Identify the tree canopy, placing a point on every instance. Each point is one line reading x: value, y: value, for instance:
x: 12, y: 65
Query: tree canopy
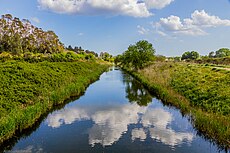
x: 223, y: 52
x: 193, y: 55
x: 138, y: 55
x: 20, y: 36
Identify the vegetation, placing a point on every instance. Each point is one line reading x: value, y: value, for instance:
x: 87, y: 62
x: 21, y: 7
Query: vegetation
x: 190, y: 55
x: 223, y: 52
x: 221, y: 56
x: 205, y: 87
x: 28, y: 90
x: 80, y: 50
x: 137, y: 56
x: 17, y: 37
x: 20, y: 40
x: 106, y: 57
x: 196, y: 89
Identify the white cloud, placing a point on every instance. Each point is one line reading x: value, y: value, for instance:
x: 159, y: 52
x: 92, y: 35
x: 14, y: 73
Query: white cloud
x: 133, y: 8
x: 196, y: 25
x: 157, y: 4
x: 35, y: 19
x: 141, y: 30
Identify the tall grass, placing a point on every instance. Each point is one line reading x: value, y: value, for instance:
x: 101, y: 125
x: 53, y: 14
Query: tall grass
x: 194, y: 89
x: 28, y: 90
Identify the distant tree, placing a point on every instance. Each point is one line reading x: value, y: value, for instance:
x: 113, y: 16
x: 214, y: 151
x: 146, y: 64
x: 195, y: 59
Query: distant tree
x: 223, y: 52
x: 76, y: 49
x: 211, y: 55
x: 190, y: 55
x: 70, y: 48
x: 194, y: 55
x: 177, y: 59
x: 185, y: 55
x: 138, y: 55
x: 106, y: 56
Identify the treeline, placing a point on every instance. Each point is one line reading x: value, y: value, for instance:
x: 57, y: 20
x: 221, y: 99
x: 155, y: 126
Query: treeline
x: 91, y: 54
x: 20, y: 40
x: 221, y: 56
x: 20, y: 36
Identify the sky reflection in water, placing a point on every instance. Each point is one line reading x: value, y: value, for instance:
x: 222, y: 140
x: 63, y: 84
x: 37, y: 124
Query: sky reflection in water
x: 113, y: 121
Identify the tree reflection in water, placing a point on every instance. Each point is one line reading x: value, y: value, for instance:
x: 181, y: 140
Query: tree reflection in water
x: 135, y: 92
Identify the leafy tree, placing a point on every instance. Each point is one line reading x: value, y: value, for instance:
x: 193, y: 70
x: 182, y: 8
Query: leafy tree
x: 20, y: 36
x: 211, y: 55
x: 139, y: 55
x: 106, y: 56
x: 70, y: 48
x: 190, y: 55
x: 223, y: 52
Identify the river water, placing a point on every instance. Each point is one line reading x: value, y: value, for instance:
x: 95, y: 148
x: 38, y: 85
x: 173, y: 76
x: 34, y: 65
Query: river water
x: 116, y: 115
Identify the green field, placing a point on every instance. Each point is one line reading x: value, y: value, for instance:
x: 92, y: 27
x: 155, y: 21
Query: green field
x: 28, y: 90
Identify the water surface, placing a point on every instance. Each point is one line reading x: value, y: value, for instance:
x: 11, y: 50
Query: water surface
x: 116, y: 114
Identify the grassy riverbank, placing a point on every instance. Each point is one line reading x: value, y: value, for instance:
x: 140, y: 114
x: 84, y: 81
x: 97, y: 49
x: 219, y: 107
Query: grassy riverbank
x: 28, y: 90
x: 200, y: 90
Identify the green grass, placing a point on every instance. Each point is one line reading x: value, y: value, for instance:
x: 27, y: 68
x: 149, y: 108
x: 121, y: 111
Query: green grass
x: 195, y: 89
x: 28, y: 90
x: 206, y: 88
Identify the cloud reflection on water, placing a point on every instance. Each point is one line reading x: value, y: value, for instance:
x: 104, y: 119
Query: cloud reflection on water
x: 110, y: 123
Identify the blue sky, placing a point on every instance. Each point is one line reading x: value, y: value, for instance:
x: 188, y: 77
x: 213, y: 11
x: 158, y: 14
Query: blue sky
x: 172, y: 26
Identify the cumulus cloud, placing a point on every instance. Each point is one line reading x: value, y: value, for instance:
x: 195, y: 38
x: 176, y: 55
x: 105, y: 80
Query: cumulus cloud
x: 135, y: 8
x: 196, y: 25
x: 157, y: 4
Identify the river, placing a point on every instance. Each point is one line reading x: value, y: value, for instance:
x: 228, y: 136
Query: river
x: 116, y: 114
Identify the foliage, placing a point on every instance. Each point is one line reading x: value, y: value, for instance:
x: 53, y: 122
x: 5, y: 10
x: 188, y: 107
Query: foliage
x: 223, y: 52
x: 106, y: 57
x: 190, y: 55
x: 28, y: 90
x: 79, y: 50
x: 223, y: 60
x: 137, y: 56
x: 20, y: 36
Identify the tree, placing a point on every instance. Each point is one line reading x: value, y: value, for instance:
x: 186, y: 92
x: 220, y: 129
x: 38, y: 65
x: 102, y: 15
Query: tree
x: 138, y: 55
x: 193, y: 55
x: 223, y: 52
x: 18, y: 37
x: 211, y: 55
